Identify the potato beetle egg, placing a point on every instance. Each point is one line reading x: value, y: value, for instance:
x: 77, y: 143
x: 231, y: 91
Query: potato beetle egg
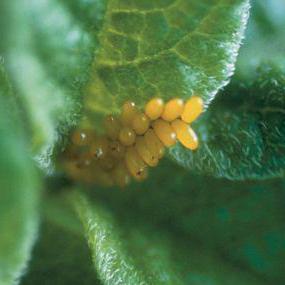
x: 192, y: 110
x: 173, y: 109
x: 127, y: 136
x: 143, y: 175
x: 121, y: 175
x: 107, y: 162
x: 154, y: 144
x: 185, y: 134
x: 116, y: 150
x: 100, y: 176
x: 112, y: 126
x: 99, y: 147
x: 165, y: 132
x: 84, y: 160
x: 154, y: 108
x: 148, y: 157
x: 135, y: 164
x: 81, y: 137
x: 140, y: 123
x: 71, y: 153
x: 128, y: 113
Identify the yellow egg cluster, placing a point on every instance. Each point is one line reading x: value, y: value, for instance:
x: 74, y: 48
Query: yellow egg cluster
x: 132, y: 142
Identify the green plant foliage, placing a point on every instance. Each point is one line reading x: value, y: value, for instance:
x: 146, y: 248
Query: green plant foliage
x: 212, y: 216
x: 135, y: 253
x: 235, y: 223
x: 60, y: 258
x: 243, y: 133
x: 165, y: 48
x: 142, y: 48
x: 19, y: 189
x: 48, y: 52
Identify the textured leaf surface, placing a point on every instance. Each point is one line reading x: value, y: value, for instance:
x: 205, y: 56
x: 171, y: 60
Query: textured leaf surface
x: 19, y: 189
x: 61, y: 258
x: 138, y: 49
x: 165, y: 48
x: 243, y: 133
x: 236, y: 225
x: 126, y: 251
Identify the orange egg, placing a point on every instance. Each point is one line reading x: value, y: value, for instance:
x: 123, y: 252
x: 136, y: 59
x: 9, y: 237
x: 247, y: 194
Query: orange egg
x: 145, y: 153
x: 173, y: 109
x: 129, y: 110
x: 140, y: 123
x: 121, y: 175
x: 116, y: 150
x: 99, y: 147
x: 192, y: 110
x: 112, y: 126
x: 185, y: 134
x: 135, y: 164
x: 154, y: 144
x: 165, y: 132
x: 81, y: 137
x: 154, y: 108
x: 127, y: 136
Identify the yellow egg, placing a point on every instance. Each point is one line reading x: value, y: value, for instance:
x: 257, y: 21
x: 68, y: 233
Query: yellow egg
x: 127, y: 136
x: 72, y: 170
x: 140, y: 123
x: 185, y: 134
x: 81, y: 137
x: 99, y: 147
x: 116, y: 150
x: 148, y: 157
x: 112, y: 126
x: 154, y: 144
x: 154, y: 108
x: 165, y: 132
x: 107, y: 162
x: 135, y: 164
x: 121, y: 175
x: 84, y: 159
x: 101, y: 177
x: 71, y: 153
x: 129, y: 110
x: 173, y: 109
x: 192, y: 110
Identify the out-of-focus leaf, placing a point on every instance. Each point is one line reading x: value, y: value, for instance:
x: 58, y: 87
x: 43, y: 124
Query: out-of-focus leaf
x: 138, y: 49
x: 126, y: 251
x: 243, y: 133
x: 19, y: 190
x: 48, y: 51
x: 265, y: 37
x: 60, y: 258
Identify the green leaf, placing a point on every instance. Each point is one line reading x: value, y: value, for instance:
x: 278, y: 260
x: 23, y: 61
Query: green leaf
x: 61, y: 258
x: 142, y: 48
x: 243, y: 133
x: 265, y: 37
x: 19, y: 191
x: 126, y: 251
x: 48, y: 51
x: 165, y: 48
x: 239, y: 224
